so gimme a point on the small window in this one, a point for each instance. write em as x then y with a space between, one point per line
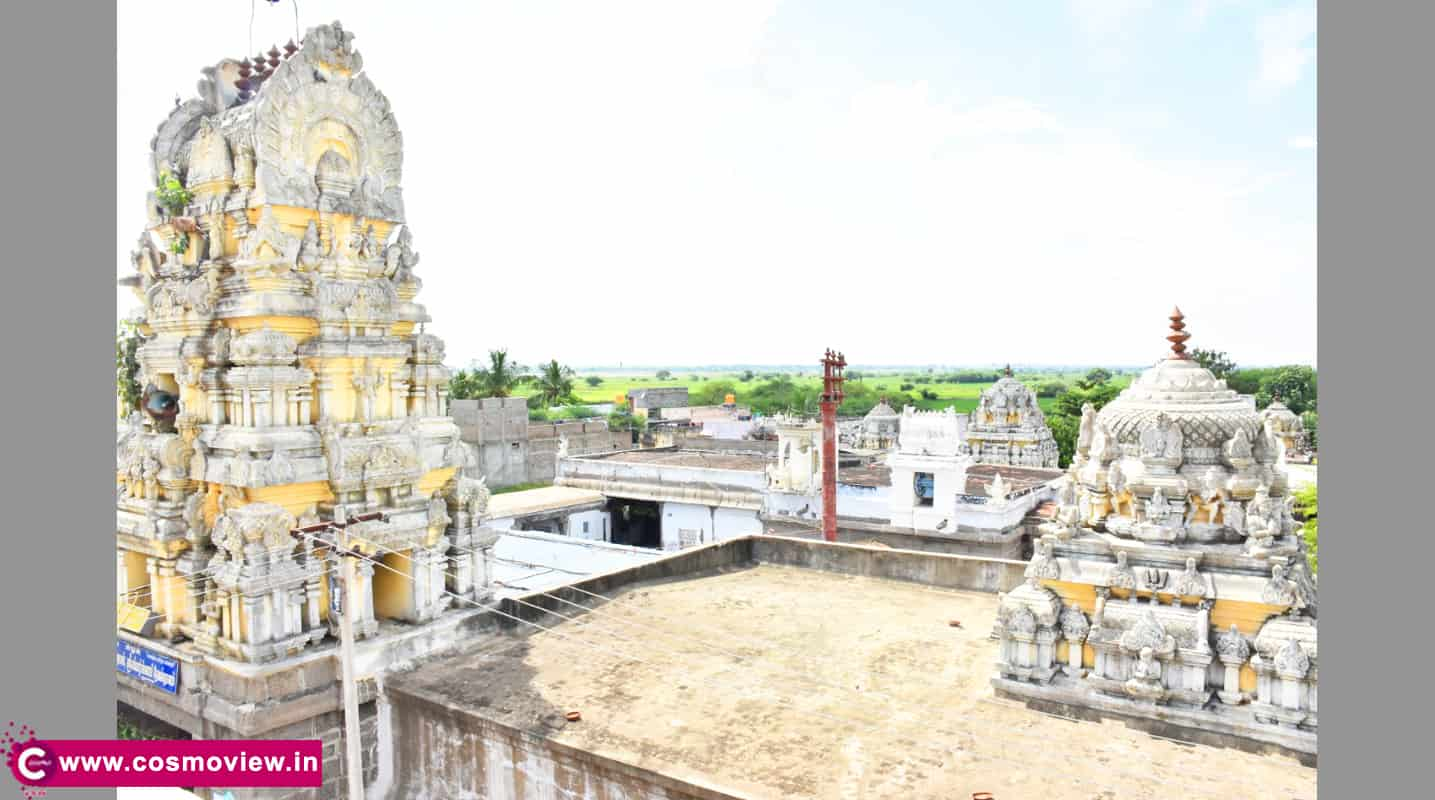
585 526
922 485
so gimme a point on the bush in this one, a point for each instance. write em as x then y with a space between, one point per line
625 421
1051 389
928 394
538 415
664 375
712 393
577 412
1305 507
593 380
906 387
1311 421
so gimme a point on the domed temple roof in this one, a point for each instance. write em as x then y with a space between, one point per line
1207 412
1177 455
1284 420
1008 427
1009 393
882 411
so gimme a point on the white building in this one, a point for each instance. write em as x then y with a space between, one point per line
927 494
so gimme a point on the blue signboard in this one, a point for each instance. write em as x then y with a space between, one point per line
145 665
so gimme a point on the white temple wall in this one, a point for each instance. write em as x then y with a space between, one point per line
732 523
590 525
864 502
685 524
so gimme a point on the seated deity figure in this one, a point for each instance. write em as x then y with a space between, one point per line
1146 667
1234 517
1158 508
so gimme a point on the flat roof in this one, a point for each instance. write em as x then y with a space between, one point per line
778 681
979 476
665 457
532 561
872 475
536 501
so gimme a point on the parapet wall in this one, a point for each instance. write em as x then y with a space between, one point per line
447 751
444 749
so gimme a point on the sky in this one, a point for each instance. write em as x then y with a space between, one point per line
683 183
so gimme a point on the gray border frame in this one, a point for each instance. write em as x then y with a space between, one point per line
1375 128
57 593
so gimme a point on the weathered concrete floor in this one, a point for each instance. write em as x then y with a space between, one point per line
842 687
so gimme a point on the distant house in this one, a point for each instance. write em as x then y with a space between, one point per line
650 402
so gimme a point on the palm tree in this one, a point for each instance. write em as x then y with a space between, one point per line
500 376
554 383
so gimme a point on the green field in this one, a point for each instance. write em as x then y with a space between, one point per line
961 396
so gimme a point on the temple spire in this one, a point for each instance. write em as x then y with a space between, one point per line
1178 335
1007 371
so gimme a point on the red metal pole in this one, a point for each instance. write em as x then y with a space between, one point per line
832 366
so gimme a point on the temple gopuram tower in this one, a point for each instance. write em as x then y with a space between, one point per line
1172 588
1008 428
287 377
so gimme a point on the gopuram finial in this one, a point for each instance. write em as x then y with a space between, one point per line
1007 371
1178 335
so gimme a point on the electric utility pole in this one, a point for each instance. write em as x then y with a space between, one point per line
342 595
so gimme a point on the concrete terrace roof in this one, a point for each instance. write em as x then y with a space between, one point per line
872 475
537 501
704 459
783 681
979 476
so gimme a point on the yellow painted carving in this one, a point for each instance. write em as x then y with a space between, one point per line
1248 679
1081 595
1247 617
300 328
434 480
393 586
294 497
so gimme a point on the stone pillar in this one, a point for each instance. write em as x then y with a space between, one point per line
311 603
483 574
324 399
250 608
122 578
1233 650
217 399
1074 648
364 624
1230 692
461 562
157 598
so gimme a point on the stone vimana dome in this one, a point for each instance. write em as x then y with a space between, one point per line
1179 429
879 427
1010 394
1172 582
882 411
1008 427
